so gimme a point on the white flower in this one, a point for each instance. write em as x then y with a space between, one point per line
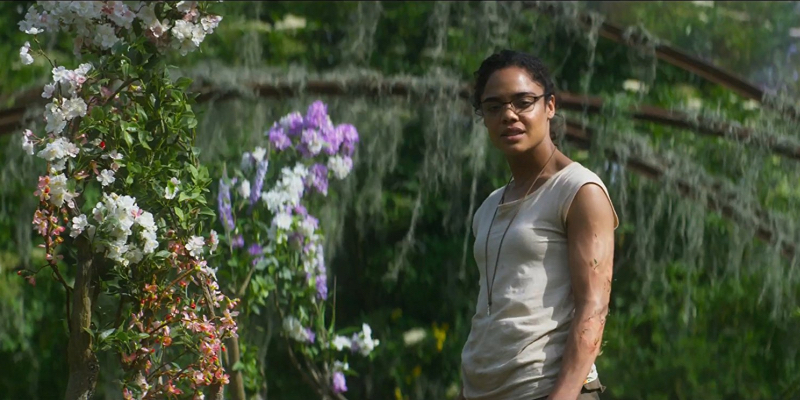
283 221
134 255
27 143
150 241
198 34
48 90
210 22
182 30
247 162
58 149
307 227
30 24
213 240
340 166
413 336
145 220
185 6
60 74
195 246
259 153
294 329
341 342
83 69
300 170
79 223
339 366
55 118
244 189
113 154
121 15
172 188
363 341
105 36
74 107
23 54
59 193
106 177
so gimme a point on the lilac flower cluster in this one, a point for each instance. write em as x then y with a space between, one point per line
313 136
319 150
224 205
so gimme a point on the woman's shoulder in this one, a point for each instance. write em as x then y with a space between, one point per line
576 173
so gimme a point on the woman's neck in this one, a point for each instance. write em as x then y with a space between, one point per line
528 165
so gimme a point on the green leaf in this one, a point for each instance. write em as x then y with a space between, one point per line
127 137
238 366
163 253
106 333
179 212
183 82
143 139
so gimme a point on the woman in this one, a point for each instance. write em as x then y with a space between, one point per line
544 244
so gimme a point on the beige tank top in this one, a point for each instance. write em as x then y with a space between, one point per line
515 353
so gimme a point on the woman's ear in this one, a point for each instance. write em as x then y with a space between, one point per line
551 107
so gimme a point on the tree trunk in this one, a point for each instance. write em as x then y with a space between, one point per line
83 364
237 382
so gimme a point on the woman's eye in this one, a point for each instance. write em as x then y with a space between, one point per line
524 104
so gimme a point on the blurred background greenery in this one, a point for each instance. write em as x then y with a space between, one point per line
703 307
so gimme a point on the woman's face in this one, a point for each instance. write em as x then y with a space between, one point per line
523 124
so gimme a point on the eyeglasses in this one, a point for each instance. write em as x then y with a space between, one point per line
493 108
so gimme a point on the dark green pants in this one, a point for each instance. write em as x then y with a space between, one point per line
590 391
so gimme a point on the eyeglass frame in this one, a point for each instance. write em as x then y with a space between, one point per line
514 109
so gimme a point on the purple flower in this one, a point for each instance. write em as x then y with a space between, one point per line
292 124
311 143
322 286
224 205
278 138
300 210
311 221
254 249
258 183
318 178
317 115
333 138
237 242
349 139
311 335
339 384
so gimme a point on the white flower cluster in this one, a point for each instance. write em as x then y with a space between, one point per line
288 191
117 216
62 110
295 329
188 33
361 342
59 192
340 166
57 151
101 23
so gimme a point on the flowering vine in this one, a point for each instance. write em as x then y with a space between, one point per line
123 180
275 243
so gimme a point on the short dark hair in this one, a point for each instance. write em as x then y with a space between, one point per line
511 58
